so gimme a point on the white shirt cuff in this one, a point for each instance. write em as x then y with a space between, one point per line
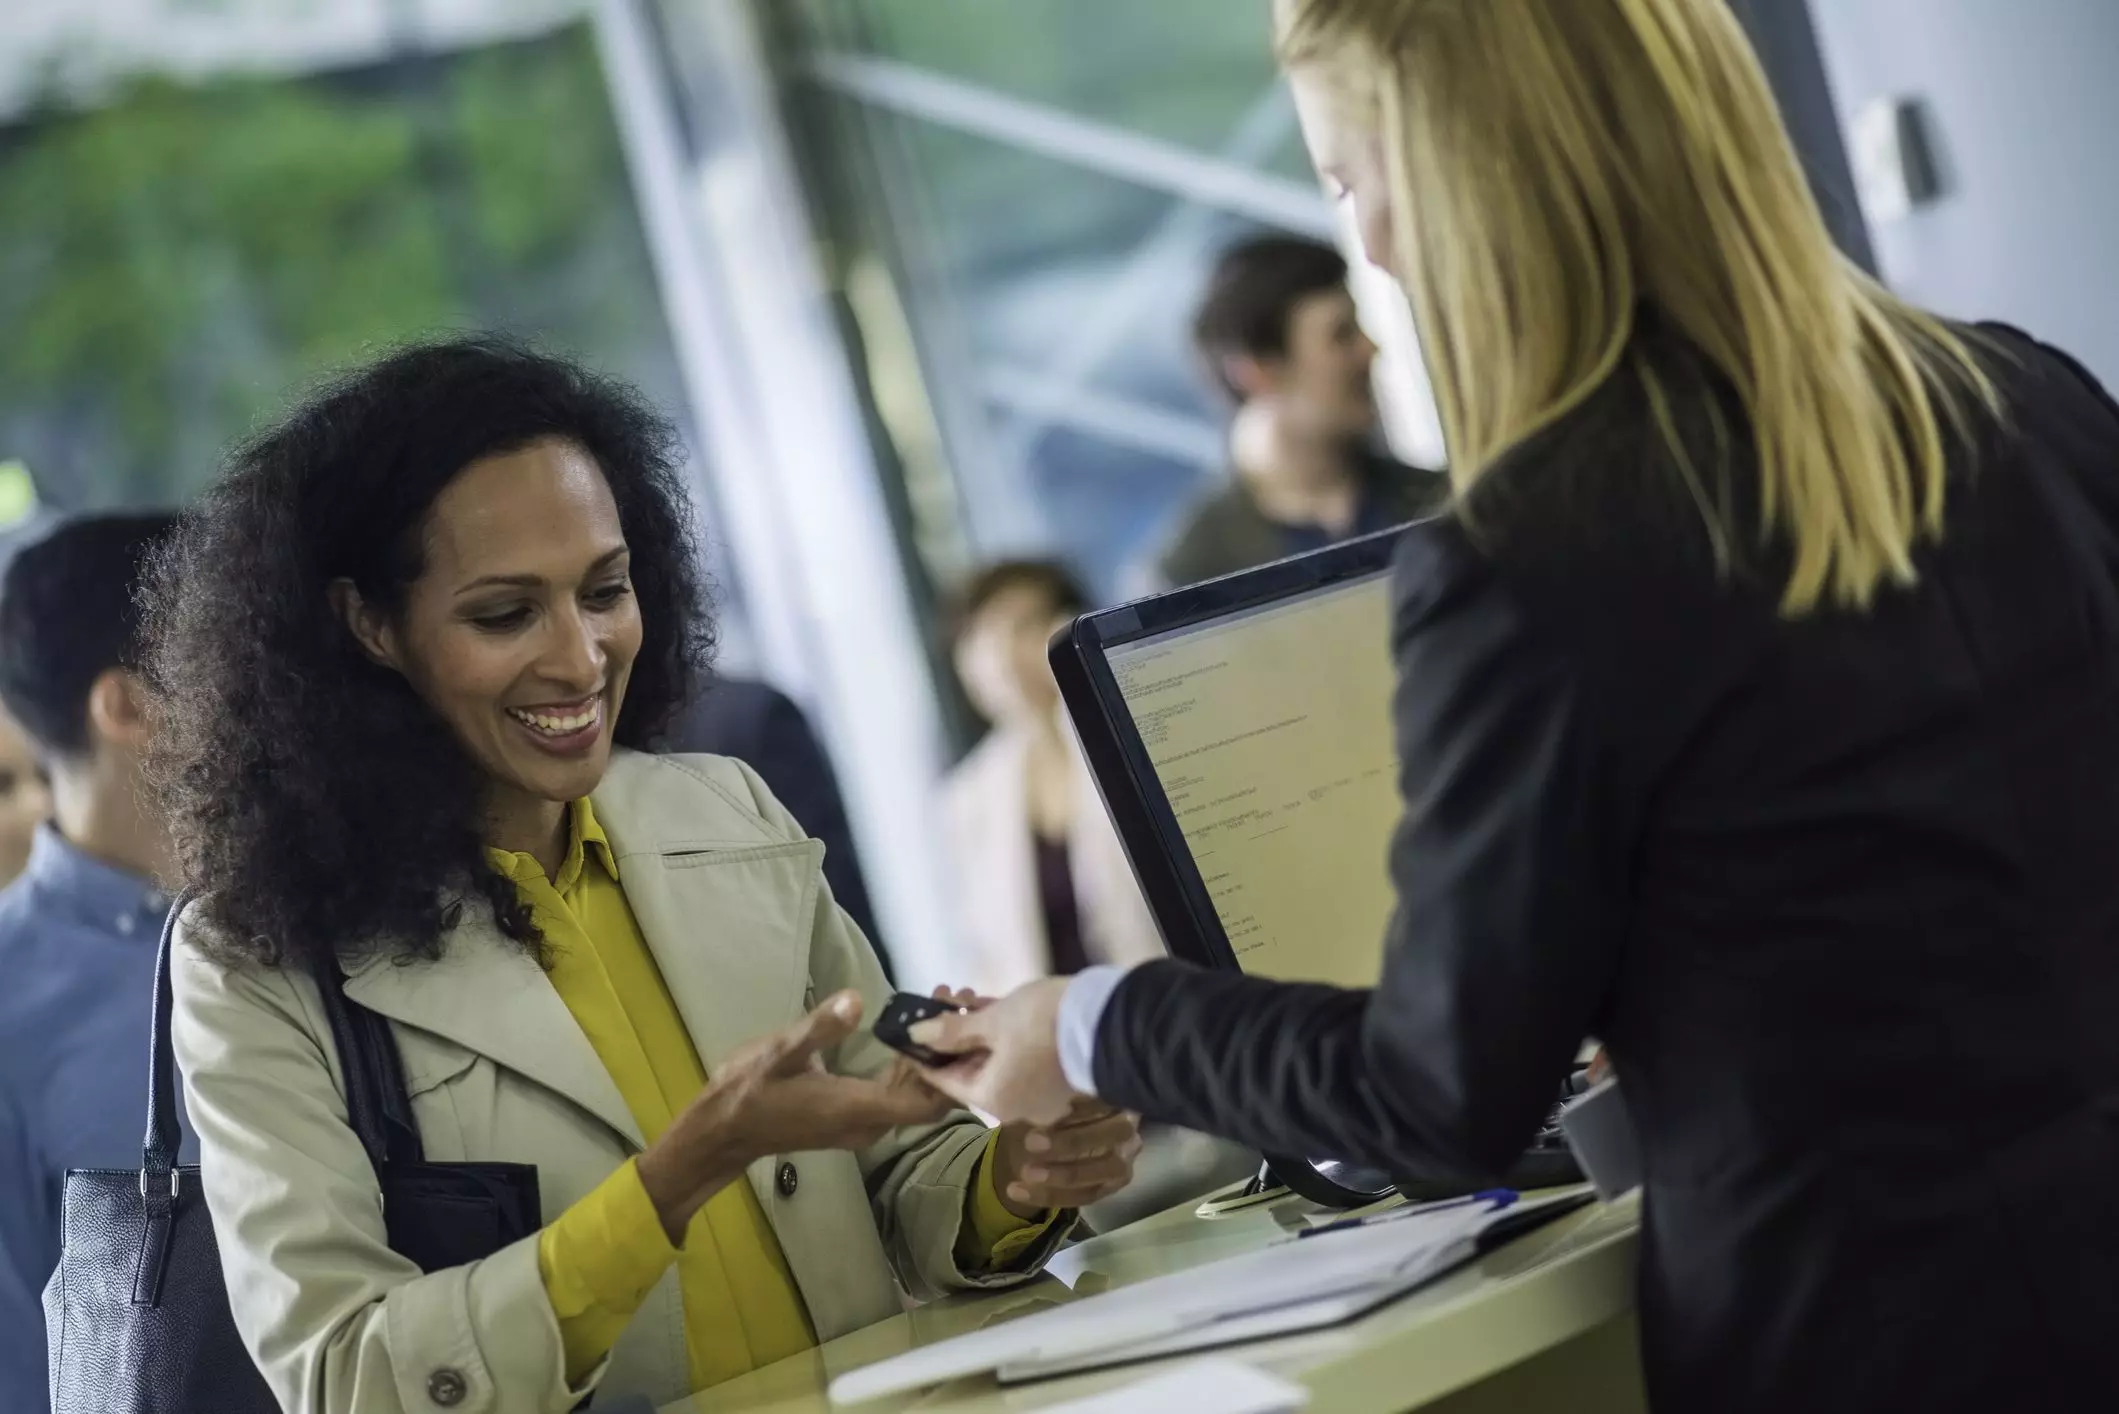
1081 1010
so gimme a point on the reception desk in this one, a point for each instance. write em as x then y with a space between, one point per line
1543 1324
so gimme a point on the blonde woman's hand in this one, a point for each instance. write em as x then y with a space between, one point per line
1004 1055
774 1096
1083 1159
1085 1156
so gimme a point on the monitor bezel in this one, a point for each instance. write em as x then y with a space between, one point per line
1118 761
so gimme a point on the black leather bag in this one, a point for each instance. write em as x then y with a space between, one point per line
137 1314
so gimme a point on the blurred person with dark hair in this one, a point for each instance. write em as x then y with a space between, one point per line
1043 888
78 929
25 799
407 656
1279 333
762 727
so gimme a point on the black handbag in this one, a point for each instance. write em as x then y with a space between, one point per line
137 1313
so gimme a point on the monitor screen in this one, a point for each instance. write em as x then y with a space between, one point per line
1269 729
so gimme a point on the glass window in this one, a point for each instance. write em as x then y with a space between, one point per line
177 261
1047 186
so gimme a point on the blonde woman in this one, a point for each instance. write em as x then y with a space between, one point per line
1759 715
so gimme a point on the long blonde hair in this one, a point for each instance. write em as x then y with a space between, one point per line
1556 164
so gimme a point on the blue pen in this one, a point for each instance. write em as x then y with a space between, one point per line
1499 1197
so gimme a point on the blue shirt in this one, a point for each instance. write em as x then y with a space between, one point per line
77 958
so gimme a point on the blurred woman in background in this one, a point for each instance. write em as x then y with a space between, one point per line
1043 887
1758 712
25 799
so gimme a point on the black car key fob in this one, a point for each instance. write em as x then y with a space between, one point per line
905 1011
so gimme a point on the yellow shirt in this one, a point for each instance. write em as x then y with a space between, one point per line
603 1255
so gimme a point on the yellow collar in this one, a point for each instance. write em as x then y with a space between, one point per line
586 839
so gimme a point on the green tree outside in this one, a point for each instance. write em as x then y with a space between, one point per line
178 262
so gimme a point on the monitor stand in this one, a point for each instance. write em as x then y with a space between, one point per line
1335 1183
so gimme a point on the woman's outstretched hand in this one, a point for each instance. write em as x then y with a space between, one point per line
774 1096
1007 1055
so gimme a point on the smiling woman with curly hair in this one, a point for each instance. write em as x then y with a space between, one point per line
407 655
319 800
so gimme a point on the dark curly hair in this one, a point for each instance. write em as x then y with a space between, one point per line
318 806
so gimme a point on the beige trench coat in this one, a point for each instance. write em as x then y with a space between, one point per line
728 891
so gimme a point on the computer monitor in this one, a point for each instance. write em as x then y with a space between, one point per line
1240 733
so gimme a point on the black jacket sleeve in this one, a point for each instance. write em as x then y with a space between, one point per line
2077 421
1509 868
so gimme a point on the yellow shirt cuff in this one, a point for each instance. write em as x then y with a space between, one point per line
995 1237
599 1259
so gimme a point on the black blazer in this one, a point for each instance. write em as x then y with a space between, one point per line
762 727
1841 895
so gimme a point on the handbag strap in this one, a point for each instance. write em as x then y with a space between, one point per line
159 1150
377 1106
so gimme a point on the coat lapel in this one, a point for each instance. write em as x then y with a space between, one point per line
729 929
725 908
726 911
487 995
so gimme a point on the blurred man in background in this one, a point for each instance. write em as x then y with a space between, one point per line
78 929
25 800
1279 332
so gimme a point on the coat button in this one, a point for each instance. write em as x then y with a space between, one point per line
786 1179
446 1388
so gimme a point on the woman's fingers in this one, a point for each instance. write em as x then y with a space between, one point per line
916 1104
1084 1158
909 1078
1066 1142
1072 1186
846 1105
1085 1170
964 1081
953 1034
962 997
830 1023
1087 1109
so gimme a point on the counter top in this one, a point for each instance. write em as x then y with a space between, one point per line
1549 1316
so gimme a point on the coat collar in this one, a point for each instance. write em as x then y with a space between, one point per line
724 898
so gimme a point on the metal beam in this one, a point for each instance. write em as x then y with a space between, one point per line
1173 248
808 529
1097 147
1045 402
